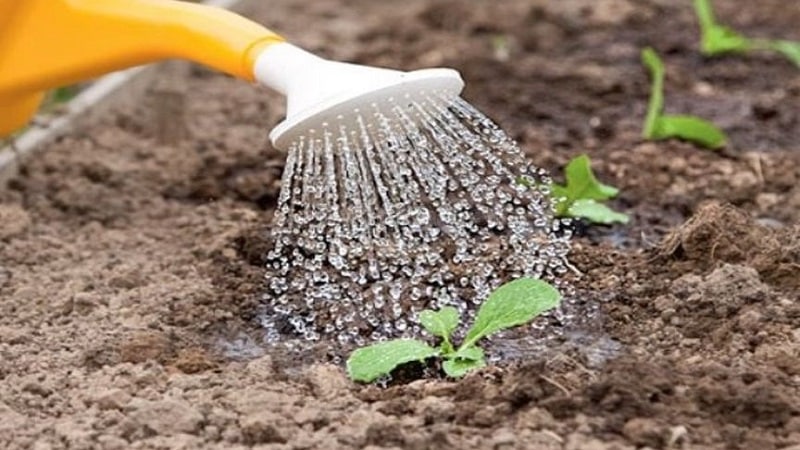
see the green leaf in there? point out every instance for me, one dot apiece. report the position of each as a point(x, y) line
point(582, 186)
point(558, 191)
point(64, 94)
point(692, 129)
point(59, 96)
point(789, 49)
point(457, 368)
point(581, 182)
point(715, 38)
point(473, 353)
point(596, 212)
point(722, 39)
point(464, 360)
point(440, 323)
point(510, 305)
point(368, 363)
point(561, 197)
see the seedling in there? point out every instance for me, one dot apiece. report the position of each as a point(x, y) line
point(718, 39)
point(59, 96)
point(580, 197)
point(512, 304)
point(658, 125)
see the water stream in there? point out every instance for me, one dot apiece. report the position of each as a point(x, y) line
point(420, 206)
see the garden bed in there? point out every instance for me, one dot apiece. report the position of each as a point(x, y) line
point(131, 250)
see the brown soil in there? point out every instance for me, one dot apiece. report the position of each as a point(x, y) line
point(130, 253)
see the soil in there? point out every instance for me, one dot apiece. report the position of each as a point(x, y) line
point(131, 251)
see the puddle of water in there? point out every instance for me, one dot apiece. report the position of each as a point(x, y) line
point(575, 327)
point(241, 347)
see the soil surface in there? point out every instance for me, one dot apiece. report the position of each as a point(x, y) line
point(131, 252)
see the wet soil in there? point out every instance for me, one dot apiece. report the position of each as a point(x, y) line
point(131, 252)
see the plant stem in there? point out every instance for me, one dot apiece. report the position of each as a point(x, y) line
point(469, 343)
point(705, 15)
point(656, 104)
point(447, 346)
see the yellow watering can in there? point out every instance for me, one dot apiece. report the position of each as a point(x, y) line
point(50, 43)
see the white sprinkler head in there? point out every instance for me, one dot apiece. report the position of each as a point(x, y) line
point(324, 94)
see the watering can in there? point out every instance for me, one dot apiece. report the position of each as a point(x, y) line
point(50, 43)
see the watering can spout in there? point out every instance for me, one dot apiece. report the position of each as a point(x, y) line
point(50, 43)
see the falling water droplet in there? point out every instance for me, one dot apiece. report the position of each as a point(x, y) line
point(418, 207)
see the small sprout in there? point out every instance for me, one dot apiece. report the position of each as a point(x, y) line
point(582, 194)
point(512, 304)
point(658, 125)
point(717, 39)
point(64, 94)
point(59, 96)
point(501, 47)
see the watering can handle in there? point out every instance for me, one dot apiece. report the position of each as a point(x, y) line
point(50, 43)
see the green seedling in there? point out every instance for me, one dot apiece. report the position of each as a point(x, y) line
point(719, 39)
point(512, 304)
point(59, 96)
point(658, 125)
point(582, 194)
point(715, 38)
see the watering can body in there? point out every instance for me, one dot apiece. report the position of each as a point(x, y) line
point(50, 43)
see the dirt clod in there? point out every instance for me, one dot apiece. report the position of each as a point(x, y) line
point(13, 221)
point(714, 233)
point(261, 428)
point(166, 417)
point(645, 432)
point(145, 346)
point(725, 234)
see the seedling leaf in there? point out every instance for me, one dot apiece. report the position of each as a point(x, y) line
point(596, 212)
point(472, 353)
point(690, 128)
point(660, 126)
point(512, 304)
point(368, 363)
point(457, 367)
point(581, 185)
point(581, 182)
point(789, 49)
point(464, 360)
point(440, 323)
point(716, 38)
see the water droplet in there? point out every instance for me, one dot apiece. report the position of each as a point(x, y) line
point(418, 206)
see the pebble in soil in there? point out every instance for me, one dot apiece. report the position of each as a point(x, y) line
point(421, 206)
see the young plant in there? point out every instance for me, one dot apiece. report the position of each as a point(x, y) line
point(59, 96)
point(580, 197)
point(658, 125)
point(718, 39)
point(512, 304)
